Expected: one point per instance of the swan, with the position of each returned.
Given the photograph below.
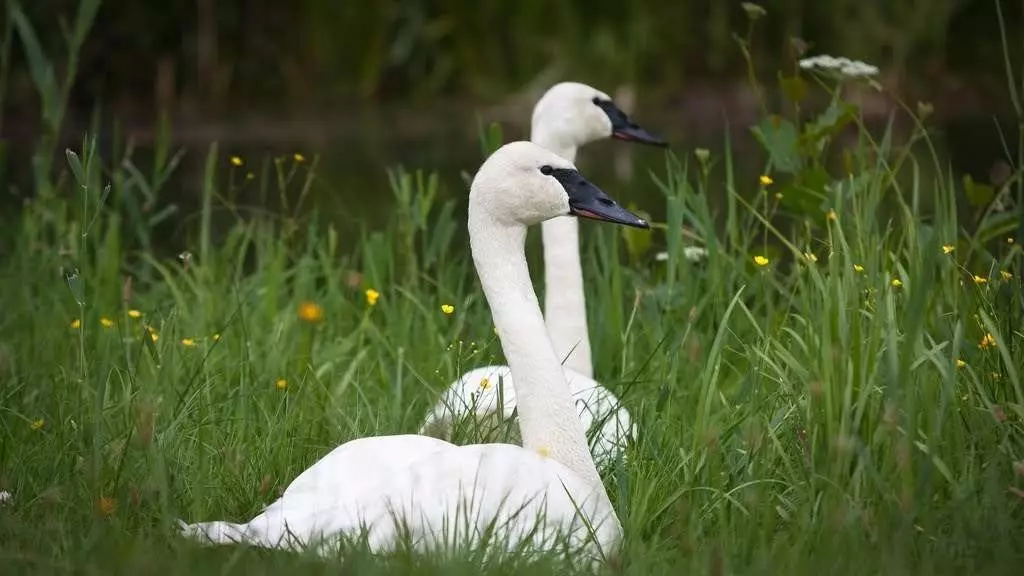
(387, 490)
(567, 116)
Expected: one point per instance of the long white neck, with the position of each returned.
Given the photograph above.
(565, 305)
(547, 417)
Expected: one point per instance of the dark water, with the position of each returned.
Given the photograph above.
(356, 151)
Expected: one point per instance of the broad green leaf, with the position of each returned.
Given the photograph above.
(779, 138)
(977, 194)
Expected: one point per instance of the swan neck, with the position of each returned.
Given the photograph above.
(547, 417)
(565, 307)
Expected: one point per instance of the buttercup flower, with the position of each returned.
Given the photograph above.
(980, 279)
(372, 296)
(37, 424)
(896, 283)
(960, 363)
(810, 257)
(106, 322)
(236, 160)
(987, 341)
(76, 324)
(1006, 275)
(858, 268)
(188, 342)
(310, 311)
(832, 215)
(485, 383)
(299, 157)
(134, 314)
(448, 309)
(281, 384)
(948, 249)
(766, 180)
(760, 260)
(106, 506)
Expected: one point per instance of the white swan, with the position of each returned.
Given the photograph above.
(567, 116)
(390, 488)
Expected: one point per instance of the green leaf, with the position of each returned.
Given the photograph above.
(831, 121)
(794, 88)
(637, 241)
(779, 138)
(39, 66)
(76, 167)
(977, 194)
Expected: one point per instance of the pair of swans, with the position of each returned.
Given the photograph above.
(540, 495)
(567, 116)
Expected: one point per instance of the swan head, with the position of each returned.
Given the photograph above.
(571, 113)
(526, 184)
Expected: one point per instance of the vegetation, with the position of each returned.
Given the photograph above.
(835, 389)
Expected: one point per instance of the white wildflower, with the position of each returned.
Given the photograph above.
(5, 497)
(691, 253)
(842, 66)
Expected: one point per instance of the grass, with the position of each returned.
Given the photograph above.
(798, 417)
(849, 402)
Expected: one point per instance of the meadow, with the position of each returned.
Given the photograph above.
(835, 388)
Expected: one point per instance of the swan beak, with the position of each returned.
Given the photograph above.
(589, 201)
(637, 134)
(623, 128)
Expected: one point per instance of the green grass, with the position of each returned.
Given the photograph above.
(807, 416)
(797, 418)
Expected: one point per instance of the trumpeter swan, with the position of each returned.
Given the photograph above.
(548, 491)
(567, 116)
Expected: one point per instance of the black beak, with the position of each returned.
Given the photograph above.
(623, 128)
(589, 201)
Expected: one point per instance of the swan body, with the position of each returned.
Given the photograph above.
(487, 391)
(567, 116)
(434, 494)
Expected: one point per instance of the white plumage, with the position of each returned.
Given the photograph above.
(439, 495)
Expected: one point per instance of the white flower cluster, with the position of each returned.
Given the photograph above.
(844, 66)
(691, 253)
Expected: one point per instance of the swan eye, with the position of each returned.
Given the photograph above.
(596, 100)
(546, 170)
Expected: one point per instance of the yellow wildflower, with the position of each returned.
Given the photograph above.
(236, 160)
(216, 337)
(980, 279)
(310, 311)
(153, 335)
(106, 506)
(858, 268)
(134, 314)
(760, 260)
(447, 308)
(37, 424)
(832, 215)
(281, 384)
(948, 248)
(896, 282)
(766, 180)
(106, 322)
(778, 195)
(810, 257)
(1006, 275)
(960, 363)
(372, 296)
(987, 341)
(76, 324)
(188, 342)
(299, 157)
(485, 383)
